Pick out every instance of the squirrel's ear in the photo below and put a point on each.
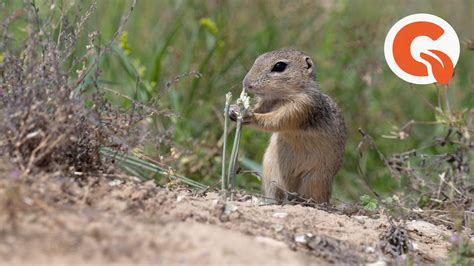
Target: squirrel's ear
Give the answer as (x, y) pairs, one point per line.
(309, 66)
(309, 63)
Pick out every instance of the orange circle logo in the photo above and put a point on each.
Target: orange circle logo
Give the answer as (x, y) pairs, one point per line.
(422, 49)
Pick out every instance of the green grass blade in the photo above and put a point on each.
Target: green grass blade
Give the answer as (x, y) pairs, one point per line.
(132, 162)
(159, 57)
(251, 165)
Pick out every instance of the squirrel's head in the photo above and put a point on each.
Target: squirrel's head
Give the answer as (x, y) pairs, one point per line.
(281, 73)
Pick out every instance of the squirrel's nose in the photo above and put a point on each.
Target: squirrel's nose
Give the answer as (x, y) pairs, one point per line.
(248, 85)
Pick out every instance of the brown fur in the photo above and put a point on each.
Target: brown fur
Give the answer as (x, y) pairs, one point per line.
(309, 133)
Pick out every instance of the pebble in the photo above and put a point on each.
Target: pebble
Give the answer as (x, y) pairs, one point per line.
(301, 239)
(369, 250)
(360, 219)
(180, 198)
(280, 215)
(116, 182)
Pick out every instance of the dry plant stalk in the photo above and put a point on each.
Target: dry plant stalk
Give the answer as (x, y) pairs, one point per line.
(224, 180)
(229, 180)
(46, 125)
(438, 174)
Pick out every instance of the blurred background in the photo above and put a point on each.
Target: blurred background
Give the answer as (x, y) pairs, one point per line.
(184, 56)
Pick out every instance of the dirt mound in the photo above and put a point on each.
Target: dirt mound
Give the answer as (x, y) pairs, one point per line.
(55, 219)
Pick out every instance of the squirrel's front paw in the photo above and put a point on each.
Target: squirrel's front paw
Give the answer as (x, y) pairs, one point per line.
(234, 112)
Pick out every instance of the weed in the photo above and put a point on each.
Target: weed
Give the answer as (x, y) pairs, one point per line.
(54, 104)
(461, 251)
(369, 203)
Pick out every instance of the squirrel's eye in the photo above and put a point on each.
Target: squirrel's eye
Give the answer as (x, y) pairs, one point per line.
(279, 67)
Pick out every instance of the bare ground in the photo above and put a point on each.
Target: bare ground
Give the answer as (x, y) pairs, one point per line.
(61, 220)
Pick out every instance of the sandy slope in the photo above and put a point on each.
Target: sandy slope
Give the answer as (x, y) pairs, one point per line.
(100, 220)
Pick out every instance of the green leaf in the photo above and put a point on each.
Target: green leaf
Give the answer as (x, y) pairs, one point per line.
(369, 203)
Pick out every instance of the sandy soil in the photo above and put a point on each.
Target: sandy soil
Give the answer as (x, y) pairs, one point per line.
(108, 220)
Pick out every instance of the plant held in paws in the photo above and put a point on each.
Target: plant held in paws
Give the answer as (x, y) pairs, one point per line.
(229, 180)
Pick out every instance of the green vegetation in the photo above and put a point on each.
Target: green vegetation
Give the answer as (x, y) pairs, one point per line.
(461, 251)
(368, 203)
(182, 57)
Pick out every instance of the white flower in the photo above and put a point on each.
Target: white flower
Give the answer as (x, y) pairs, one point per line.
(244, 99)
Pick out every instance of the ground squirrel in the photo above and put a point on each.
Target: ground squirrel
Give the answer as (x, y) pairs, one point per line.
(309, 133)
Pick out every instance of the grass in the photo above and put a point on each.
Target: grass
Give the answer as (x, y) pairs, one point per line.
(218, 41)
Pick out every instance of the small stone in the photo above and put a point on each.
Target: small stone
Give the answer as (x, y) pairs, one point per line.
(180, 198)
(369, 250)
(116, 182)
(280, 215)
(301, 239)
(360, 219)
(28, 201)
(377, 263)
